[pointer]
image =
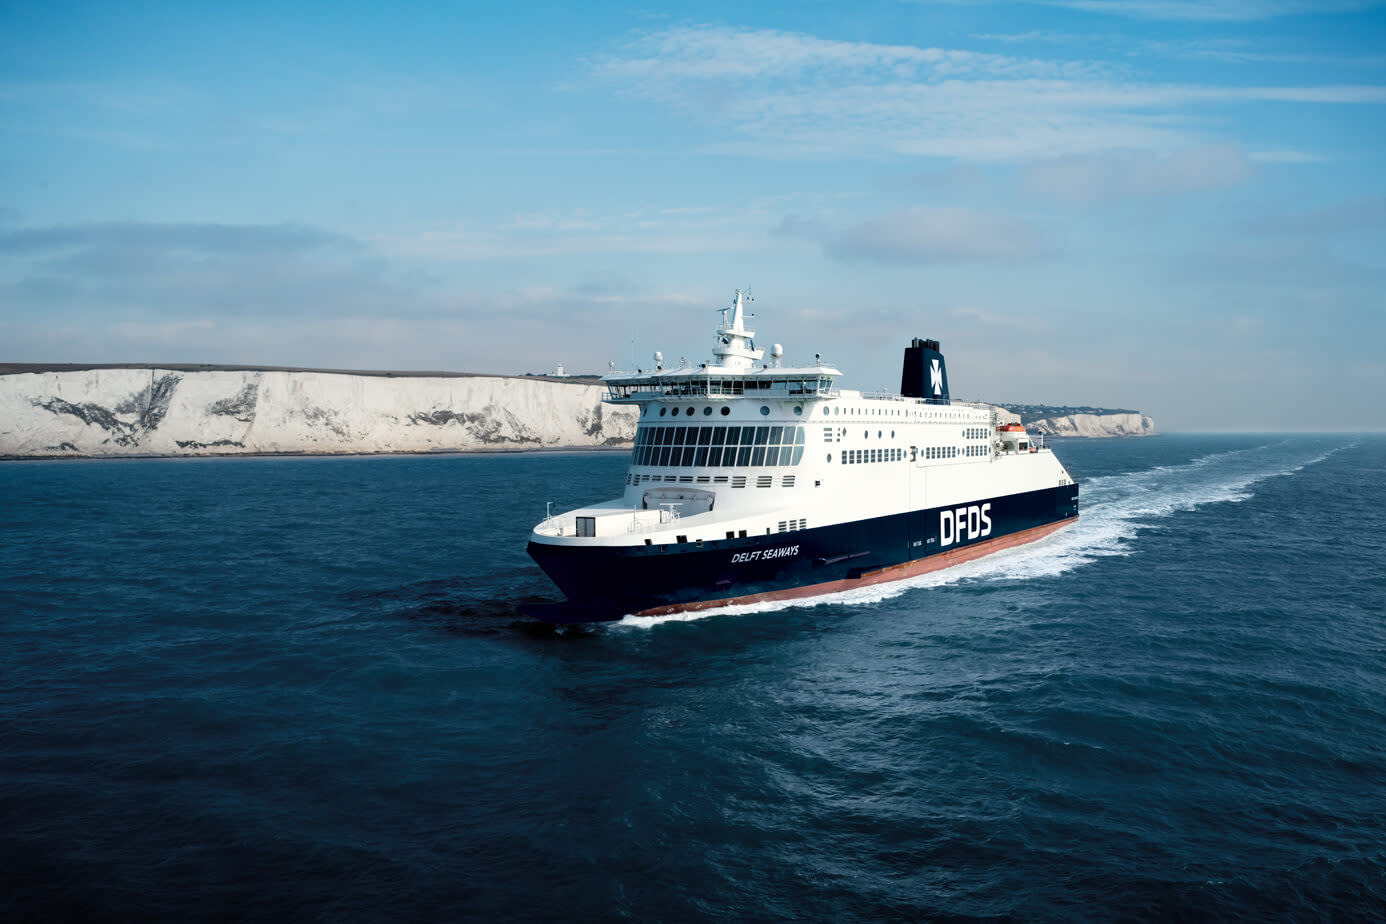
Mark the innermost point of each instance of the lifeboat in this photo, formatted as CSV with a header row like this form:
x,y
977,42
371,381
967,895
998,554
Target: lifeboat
x,y
1013,437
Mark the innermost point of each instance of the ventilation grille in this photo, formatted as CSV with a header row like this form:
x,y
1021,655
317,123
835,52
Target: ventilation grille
x,y
764,481
738,481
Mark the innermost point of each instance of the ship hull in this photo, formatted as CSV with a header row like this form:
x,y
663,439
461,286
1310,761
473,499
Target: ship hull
x,y
608,582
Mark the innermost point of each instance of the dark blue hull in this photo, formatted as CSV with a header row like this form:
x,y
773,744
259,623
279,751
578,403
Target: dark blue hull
x,y
605,582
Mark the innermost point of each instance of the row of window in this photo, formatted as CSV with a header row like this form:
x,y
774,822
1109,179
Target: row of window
x,y
707,411
699,456
719,436
838,434
867,456
719,446
976,433
953,452
737,481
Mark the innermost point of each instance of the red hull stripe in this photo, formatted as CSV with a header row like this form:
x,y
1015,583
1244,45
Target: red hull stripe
x,y
898,572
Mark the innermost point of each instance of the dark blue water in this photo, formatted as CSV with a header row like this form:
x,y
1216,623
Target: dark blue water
x,y
270,688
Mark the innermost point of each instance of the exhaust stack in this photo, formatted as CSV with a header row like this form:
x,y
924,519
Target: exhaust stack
x,y
924,374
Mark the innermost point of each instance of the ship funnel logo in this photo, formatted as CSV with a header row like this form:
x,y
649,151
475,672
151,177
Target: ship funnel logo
x,y
936,378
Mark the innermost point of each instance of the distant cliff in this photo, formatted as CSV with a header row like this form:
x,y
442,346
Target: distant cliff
x,y
202,411
1080,421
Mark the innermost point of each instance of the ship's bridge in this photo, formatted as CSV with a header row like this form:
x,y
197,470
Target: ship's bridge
x,y
712,383
735,372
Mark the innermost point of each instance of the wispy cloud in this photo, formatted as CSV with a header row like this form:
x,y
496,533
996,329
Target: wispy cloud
x,y
1213,10
1123,174
786,95
146,237
191,270
1022,38
922,237
1353,216
720,52
284,294
581,231
1243,51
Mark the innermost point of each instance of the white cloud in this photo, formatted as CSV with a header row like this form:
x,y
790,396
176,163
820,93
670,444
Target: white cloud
x,y
724,53
1128,173
784,95
1362,215
1213,10
922,237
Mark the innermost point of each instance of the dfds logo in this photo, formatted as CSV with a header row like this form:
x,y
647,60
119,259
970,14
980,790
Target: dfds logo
x,y
964,523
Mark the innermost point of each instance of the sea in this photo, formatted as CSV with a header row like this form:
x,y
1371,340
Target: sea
x,y
302,688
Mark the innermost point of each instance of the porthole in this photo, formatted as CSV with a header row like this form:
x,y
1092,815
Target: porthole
x,y
830,457
798,409
725,410
690,412
764,410
662,411
707,411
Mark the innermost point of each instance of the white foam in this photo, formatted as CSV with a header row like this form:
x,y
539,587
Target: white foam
x,y
1114,509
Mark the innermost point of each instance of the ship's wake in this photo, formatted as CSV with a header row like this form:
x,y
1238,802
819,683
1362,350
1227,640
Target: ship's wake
x,y
1114,509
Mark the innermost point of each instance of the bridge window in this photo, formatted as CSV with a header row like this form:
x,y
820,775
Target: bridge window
x,y
700,446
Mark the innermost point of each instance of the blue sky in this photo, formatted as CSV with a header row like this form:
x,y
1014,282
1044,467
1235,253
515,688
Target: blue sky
x,y
1161,204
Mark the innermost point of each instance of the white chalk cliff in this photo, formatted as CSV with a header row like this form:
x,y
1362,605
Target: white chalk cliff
x,y
174,412
1115,423
1094,425
164,412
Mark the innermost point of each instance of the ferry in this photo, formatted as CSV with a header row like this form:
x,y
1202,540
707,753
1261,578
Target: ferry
x,y
750,480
